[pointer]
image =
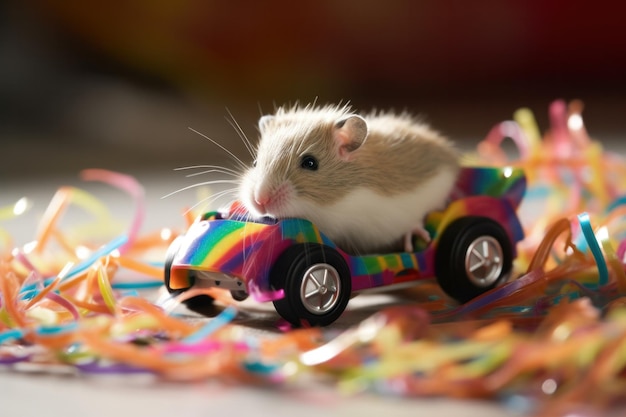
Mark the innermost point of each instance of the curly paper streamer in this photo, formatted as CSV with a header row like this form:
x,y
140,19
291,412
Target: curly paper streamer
x,y
129,185
211,327
64,198
585,225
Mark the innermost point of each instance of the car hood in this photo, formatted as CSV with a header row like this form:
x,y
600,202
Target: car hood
x,y
245,250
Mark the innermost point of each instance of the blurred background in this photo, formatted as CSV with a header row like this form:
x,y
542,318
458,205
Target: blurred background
x,y
115,84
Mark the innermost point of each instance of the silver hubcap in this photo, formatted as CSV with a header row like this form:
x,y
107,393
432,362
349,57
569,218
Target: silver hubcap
x,y
320,288
483,261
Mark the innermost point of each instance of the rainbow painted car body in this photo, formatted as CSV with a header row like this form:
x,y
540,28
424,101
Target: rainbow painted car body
x,y
256,258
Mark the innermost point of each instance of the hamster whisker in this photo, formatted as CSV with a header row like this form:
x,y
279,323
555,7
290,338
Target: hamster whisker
x,y
200,184
210,171
213,168
222,147
240,133
211,199
241,211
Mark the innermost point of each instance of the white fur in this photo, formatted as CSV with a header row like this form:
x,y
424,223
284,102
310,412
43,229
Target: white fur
x,y
254,188
369,221
246,195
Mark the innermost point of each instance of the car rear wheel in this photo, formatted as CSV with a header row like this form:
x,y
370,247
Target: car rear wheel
x,y
193,302
316,282
473,256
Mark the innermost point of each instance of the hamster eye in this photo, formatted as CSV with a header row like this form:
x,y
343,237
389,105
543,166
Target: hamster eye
x,y
254,163
309,162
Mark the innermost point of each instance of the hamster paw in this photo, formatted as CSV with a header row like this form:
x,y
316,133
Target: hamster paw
x,y
419,231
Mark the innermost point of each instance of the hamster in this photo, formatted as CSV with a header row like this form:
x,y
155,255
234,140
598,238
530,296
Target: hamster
x,y
365,181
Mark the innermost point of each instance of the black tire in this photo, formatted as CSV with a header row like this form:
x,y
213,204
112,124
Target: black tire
x,y
302,267
473,256
193,302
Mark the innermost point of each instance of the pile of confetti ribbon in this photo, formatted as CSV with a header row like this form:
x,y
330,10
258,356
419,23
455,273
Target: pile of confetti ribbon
x,y
552,339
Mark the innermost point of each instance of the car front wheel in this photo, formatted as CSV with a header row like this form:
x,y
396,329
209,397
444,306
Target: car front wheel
x,y
316,283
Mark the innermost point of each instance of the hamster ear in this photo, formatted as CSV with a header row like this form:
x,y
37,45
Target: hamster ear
x,y
349,134
264,121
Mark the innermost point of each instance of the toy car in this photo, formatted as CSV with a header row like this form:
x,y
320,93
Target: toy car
x,y
310,280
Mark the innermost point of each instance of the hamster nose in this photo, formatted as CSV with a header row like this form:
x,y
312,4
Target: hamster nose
x,y
261,198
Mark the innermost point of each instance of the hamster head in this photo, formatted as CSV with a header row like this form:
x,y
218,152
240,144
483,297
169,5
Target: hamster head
x,y
303,161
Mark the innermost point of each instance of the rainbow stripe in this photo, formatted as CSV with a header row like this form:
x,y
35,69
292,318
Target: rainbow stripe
x,y
245,250
506,183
